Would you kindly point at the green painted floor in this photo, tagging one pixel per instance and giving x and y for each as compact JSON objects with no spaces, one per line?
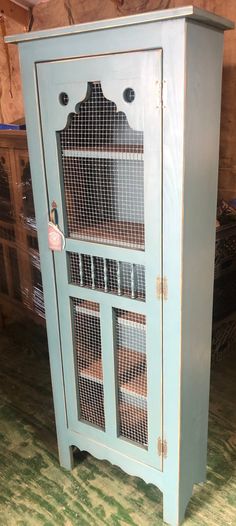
{"x":34,"y":490}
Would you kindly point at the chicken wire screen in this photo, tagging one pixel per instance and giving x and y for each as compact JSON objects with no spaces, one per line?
{"x":103,"y":174}
{"x":130,"y":336}
{"x":87,"y":341}
{"x":108,"y":275}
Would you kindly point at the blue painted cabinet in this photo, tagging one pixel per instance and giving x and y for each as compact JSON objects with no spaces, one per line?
{"x":123,"y":126}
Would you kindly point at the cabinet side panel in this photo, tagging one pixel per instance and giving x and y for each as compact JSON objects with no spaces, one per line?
{"x":173,"y":123}
{"x":204,"y":49}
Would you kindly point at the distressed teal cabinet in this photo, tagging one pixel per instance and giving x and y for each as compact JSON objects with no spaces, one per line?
{"x":123,"y":127}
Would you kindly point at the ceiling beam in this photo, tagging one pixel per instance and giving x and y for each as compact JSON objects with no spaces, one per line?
{"x":11,"y":10}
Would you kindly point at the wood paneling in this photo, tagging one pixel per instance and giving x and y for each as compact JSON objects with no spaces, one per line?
{"x":15,"y":12}
{"x":64,"y":12}
{"x":11,"y":101}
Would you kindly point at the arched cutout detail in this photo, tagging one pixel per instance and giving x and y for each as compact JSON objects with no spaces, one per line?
{"x":96,"y":123}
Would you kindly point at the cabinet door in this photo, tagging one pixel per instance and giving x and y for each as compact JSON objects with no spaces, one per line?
{"x":101,"y":124}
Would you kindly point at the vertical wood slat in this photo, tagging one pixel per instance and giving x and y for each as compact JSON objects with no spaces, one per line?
{"x":81,"y":270}
{"x":109,"y":369}
{"x":92,"y":271}
{"x":105,"y":275}
{"x":118,"y":273}
{"x":133,"y":281}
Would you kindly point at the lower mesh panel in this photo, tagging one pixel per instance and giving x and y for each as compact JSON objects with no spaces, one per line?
{"x":132,"y":376}
{"x":87,"y":335}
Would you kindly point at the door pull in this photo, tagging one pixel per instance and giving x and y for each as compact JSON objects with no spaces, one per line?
{"x":56,"y":238}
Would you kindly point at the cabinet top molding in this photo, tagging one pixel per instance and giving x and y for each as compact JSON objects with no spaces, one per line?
{"x":190,"y":12}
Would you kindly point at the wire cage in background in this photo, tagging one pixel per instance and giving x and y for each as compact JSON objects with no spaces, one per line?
{"x":20,"y":275}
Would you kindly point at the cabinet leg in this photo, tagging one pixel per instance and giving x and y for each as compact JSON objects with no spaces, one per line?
{"x":174,"y":507}
{"x":66,"y":457}
{"x":201,"y":476}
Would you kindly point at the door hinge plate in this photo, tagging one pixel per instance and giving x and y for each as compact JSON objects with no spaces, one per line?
{"x":162,"y":288}
{"x":164,"y":94}
{"x":162,"y":447}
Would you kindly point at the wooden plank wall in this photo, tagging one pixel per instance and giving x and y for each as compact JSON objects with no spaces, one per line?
{"x":63,"y":12}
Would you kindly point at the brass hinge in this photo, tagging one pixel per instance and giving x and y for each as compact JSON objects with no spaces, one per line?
{"x":162,"y":447}
{"x":162,"y":288}
{"x":164,"y":94}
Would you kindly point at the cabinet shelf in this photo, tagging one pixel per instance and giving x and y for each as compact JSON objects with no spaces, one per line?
{"x":135,"y":387}
{"x":93,"y":372}
{"x":90,"y":308}
{"x":132,"y":152}
{"x":117,"y":155}
{"x":114,"y":232}
{"x":131,"y":318}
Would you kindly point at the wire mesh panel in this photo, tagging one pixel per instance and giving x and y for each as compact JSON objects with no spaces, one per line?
{"x":108,"y":275}
{"x":102,"y":170}
{"x":130,"y":329}
{"x":87,"y":336}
